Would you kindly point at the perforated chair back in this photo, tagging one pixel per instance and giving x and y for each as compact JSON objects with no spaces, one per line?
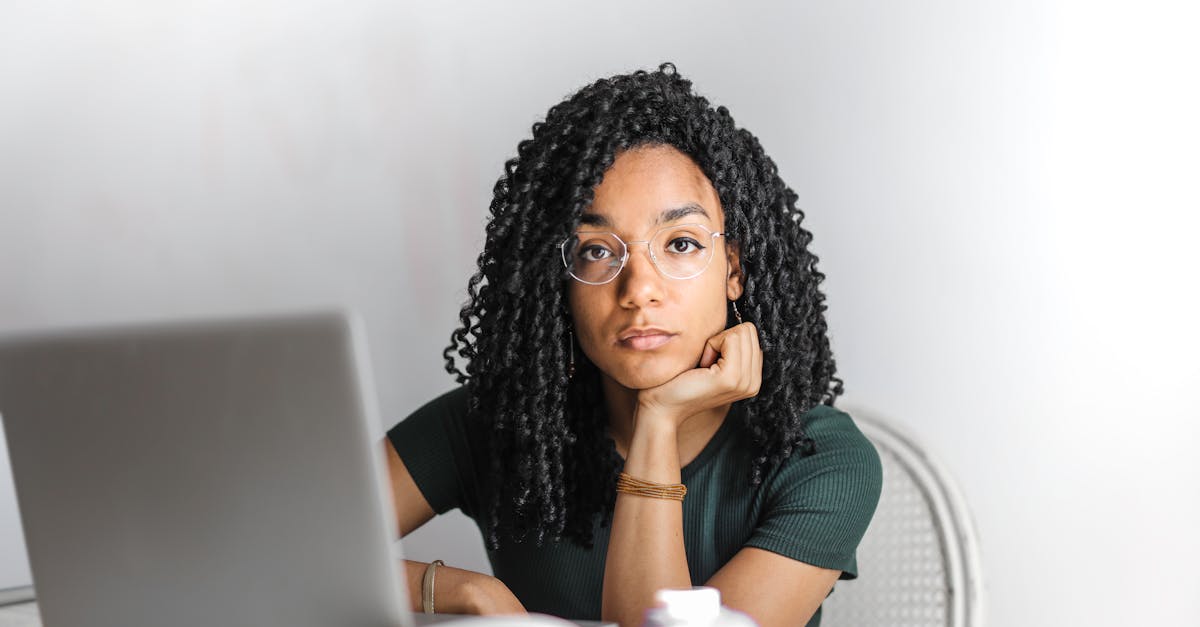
{"x":919,"y":561}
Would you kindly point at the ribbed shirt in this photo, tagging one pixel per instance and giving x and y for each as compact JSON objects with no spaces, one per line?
{"x":812,"y":508}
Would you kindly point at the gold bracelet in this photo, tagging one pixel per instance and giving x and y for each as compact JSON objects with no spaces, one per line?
{"x":427,"y":585}
{"x":640,"y":487}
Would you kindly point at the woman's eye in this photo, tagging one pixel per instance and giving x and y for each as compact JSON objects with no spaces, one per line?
{"x":683,"y":246}
{"x":594,"y":253}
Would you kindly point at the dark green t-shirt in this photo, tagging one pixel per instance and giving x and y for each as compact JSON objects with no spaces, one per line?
{"x":814,"y":509}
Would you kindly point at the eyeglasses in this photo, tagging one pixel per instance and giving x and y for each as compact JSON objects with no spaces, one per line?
{"x":680,"y":251}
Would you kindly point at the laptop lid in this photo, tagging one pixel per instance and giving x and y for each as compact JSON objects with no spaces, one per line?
{"x":200,"y":474}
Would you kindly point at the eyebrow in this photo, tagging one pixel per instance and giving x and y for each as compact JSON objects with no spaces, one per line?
{"x":668,"y":215}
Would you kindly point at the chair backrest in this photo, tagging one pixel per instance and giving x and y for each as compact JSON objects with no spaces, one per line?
{"x":919,"y":560}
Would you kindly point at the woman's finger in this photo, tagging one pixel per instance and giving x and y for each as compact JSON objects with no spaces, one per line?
{"x":709,"y":356}
{"x":748,"y":348}
{"x":714,"y":349}
{"x":735,"y":349}
{"x":738,"y":356}
{"x":757,"y":363}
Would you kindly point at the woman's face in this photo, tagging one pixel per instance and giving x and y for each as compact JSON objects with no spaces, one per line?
{"x":674,"y":317}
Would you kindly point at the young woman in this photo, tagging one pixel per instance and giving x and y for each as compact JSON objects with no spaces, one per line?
{"x":647,"y":398}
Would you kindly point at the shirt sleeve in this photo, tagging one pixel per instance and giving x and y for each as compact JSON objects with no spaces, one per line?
{"x":818,"y":507}
{"x":433,"y":443}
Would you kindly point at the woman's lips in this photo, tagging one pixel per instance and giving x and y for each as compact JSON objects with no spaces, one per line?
{"x":646,"y":342}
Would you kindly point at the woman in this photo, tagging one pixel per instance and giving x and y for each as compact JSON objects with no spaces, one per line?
{"x":648,"y":389}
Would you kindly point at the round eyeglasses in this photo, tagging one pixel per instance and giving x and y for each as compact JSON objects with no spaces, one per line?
{"x":680,"y":251}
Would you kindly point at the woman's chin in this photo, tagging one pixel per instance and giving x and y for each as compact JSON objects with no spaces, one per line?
{"x":646,"y":376}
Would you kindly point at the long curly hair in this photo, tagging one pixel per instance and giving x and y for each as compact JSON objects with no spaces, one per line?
{"x":552,"y":466}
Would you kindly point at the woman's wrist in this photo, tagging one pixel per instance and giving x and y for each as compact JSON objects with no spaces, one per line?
{"x":459,"y":591}
{"x":653,"y":421}
{"x":452,"y":588}
{"x":476,"y":593}
{"x":654,"y":435}
{"x":654,"y":449}
{"x":481,"y":593}
{"x":456,"y":591}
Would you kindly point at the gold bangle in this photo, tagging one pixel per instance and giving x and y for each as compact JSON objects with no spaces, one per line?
{"x":427,"y":585}
{"x":640,"y":487}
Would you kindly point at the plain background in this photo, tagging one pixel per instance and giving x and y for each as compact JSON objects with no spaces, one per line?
{"x":1003,"y":197}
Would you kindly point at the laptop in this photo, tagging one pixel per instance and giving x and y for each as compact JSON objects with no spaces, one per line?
{"x":208,"y":473}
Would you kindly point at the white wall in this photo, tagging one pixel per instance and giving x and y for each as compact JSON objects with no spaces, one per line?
{"x":1003,"y":196}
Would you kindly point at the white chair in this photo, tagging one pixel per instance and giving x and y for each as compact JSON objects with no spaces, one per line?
{"x":919,"y":560}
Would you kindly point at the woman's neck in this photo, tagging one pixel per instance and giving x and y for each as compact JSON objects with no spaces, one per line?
{"x":691,"y":438}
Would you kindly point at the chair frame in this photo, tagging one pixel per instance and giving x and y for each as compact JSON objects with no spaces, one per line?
{"x":951,"y":516}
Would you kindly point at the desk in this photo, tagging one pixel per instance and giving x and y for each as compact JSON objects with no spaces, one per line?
{"x":26,"y":615}
{"x":20,"y":615}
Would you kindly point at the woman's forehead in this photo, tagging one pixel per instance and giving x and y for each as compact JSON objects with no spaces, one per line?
{"x":689,"y":212}
{"x":653,"y":186}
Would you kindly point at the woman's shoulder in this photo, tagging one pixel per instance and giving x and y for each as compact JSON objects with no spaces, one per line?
{"x":840,"y":452}
{"x":439,"y":452}
{"x":834,"y":428}
{"x":454,"y":399}
{"x":817,"y":505}
{"x":441,"y":418}
{"x":447,"y":406}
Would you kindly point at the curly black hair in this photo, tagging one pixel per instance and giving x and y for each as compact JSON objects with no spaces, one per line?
{"x":553,"y":467}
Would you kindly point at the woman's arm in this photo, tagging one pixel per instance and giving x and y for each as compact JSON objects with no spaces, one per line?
{"x":456,"y":591}
{"x":646,"y":553}
{"x":645,"y":548}
{"x":774,"y":590}
{"x":411,"y":507}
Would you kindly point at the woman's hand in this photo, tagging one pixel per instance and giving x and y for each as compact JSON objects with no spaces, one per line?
{"x":730,"y":370}
{"x":488,"y":595}
{"x":459,"y":591}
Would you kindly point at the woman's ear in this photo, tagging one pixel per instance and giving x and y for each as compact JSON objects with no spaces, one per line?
{"x":735,"y":279}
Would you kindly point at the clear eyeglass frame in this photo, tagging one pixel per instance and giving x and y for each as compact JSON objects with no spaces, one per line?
{"x":625,"y":248}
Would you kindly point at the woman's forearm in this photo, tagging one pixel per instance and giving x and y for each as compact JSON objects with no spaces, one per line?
{"x":459,"y":591}
{"x":645,"y":549}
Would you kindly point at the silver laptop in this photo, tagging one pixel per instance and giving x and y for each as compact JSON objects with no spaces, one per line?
{"x":217,"y":473}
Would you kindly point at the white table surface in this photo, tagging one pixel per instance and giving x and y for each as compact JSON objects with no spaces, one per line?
{"x":20,"y":615}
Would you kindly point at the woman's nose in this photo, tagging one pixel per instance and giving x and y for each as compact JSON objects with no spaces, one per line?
{"x":640,"y":282}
